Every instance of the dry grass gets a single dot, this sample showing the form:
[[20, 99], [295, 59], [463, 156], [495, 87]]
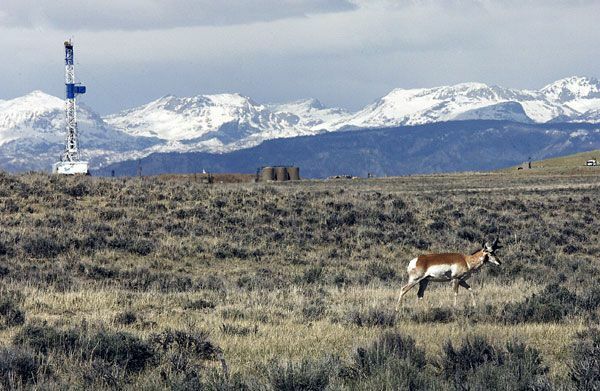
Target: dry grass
[[277, 272]]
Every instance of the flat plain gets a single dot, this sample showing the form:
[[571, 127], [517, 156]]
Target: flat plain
[[172, 283]]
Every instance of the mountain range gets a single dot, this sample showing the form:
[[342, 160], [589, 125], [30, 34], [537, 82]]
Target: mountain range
[[471, 145], [32, 135]]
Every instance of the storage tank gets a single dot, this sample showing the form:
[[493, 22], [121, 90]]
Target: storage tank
[[294, 173], [267, 174], [281, 174]]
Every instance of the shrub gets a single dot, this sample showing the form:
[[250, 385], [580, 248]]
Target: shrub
[[475, 351], [97, 272], [381, 270], [77, 190], [341, 280], [312, 275], [43, 338], [125, 318], [372, 317], [306, 375], [478, 364], [434, 315], [397, 374], [212, 283], [314, 309], [199, 304], [119, 348], [196, 343], [390, 345], [141, 247], [42, 246], [585, 368], [18, 365], [10, 312], [590, 300], [551, 305], [101, 372]]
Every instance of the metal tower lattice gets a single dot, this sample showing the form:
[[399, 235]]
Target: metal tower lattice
[[70, 162]]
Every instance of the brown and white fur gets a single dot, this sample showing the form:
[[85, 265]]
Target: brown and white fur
[[453, 267]]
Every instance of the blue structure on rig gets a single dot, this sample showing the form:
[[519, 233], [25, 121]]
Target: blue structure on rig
[[70, 160]]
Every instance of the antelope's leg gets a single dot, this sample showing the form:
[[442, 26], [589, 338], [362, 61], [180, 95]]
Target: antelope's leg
[[422, 286], [455, 289], [468, 287], [405, 289]]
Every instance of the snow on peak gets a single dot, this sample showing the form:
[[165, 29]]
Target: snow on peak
[[309, 113], [187, 118], [28, 110], [573, 88], [34, 102], [230, 121]]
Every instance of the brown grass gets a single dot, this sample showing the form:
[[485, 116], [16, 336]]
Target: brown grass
[[291, 263]]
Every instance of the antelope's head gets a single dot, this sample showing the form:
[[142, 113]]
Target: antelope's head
[[489, 252]]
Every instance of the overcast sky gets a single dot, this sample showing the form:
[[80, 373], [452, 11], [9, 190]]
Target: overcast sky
[[344, 52]]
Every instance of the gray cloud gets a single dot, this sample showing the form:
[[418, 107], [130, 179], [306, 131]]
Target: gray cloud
[[343, 58], [157, 14]]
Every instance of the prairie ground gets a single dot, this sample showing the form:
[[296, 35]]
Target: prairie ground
[[170, 283]]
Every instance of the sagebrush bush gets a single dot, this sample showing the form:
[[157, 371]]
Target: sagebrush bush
[[38, 245], [314, 309], [126, 318], [199, 304], [305, 375], [389, 346], [119, 348], [551, 305], [480, 365], [196, 343], [381, 270], [585, 368], [10, 312], [384, 317], [18, 367], [434, 315]]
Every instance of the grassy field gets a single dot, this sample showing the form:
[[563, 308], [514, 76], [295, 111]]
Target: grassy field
[[164, 283], [569, 163]]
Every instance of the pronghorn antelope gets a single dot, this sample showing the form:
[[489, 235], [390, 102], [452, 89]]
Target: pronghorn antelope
[[448, 267]]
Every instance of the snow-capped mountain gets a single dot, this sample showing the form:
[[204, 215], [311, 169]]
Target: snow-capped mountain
[[212, 122], [228, 122], [471, 101], [32, 134], [32, 126], [581, 94], [310, 113]]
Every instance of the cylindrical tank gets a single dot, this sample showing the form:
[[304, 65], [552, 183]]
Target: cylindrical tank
[[294, 173], [267, 174], [281, 174]]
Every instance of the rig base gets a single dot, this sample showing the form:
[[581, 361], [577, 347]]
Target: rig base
[[70, 168]]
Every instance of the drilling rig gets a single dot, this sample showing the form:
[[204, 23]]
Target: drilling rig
[[70, 161]]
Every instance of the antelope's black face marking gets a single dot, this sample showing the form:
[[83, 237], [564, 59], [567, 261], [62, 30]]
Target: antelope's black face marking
[[489, 251]]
